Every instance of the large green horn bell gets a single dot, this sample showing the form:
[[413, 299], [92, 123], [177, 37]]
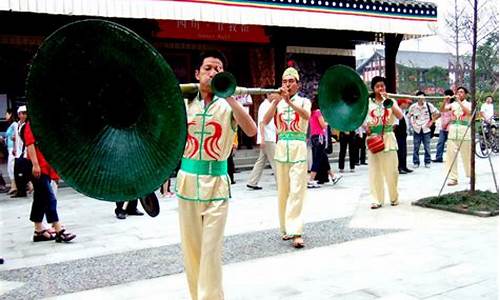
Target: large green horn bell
[[343, 98], [223, 84], [106, 110]]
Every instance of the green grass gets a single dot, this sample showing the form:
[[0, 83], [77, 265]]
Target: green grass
[[477, 201]]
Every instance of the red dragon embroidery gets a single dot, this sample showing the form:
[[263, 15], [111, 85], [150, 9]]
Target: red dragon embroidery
[[211, 144], [192, 144], [281, 124], [294, 125]]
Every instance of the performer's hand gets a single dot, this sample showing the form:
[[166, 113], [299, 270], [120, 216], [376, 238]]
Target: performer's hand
[[285, 94], [384, 95], [447, 99]]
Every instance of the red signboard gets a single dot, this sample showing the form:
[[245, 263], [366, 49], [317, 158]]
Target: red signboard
[[206, 31]]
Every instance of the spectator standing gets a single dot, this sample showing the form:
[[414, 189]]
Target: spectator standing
[[21, 164], [443, 132], [400, 131], [347, 139], [422, 114], [360, 142], [318, 141]]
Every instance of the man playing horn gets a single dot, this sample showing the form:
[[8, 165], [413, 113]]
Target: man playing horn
[[203, 186], [384, 164], [460, 117], [291, 113]]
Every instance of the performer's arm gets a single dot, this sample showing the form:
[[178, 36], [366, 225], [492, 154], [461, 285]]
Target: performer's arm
[[271, 111], [301, 111], [242, 117], [398, 113]]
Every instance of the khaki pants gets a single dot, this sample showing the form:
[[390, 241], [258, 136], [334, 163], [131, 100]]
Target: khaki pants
[[266, 154], [383, 166], [451, 149], [292, 187], [202, 236]]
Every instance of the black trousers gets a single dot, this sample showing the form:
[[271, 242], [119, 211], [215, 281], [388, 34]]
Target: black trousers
[[402, 152], [231, 167], [347, 139], [361, 148], [131, 206], [22, 174]]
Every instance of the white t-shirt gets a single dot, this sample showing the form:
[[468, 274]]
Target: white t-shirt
[[487, 110], [270, 128]]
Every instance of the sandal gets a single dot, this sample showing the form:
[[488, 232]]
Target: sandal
[[452, 182], [394, 203], [376, 206], [286, 237], [42, 236], [298, 242], [63, 236]]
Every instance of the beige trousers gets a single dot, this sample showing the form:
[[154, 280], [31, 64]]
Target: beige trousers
[[292, 187], [266, 154], [383, 167], [202, 237], [451, 149]]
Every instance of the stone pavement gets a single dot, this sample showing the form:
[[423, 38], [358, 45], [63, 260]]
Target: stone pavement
[[352, 252]]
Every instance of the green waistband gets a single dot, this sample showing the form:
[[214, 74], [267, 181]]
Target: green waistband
[[204, 167], [378, 129], [292, 135], [460, 122]]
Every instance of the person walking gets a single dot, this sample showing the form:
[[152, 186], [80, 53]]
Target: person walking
[[202, 184], [266, 139], [291, 114], [44, 198]]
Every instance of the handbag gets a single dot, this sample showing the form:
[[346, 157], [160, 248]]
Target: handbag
[[376, 143]]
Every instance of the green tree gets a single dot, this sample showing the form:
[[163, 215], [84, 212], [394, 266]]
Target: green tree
[[487, 64], [437, 77]]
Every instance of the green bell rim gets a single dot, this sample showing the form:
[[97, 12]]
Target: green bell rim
[[106, 110], [343, 98]]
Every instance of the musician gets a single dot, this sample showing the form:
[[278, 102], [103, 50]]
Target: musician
[[460, 118], [203, 186], [291, 114], [384, 164]]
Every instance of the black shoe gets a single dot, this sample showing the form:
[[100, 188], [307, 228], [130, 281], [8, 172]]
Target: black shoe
[[63, 236], [19, 195], [407, 170], [136, 212], [121, 215], [254, 187], [402, 172], [363, 163], [437, 160]]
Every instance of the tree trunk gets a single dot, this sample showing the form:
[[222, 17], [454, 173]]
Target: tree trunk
[[474, 102]]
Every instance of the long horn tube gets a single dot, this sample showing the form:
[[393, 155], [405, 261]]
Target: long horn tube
[[224, 85], [192, 88], [417, 97]]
